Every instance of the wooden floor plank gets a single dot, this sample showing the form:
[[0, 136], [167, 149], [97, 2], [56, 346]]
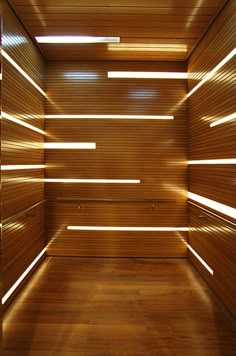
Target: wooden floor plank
[[117, 307]]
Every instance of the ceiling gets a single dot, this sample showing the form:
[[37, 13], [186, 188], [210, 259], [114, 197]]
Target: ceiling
[[149, 29]]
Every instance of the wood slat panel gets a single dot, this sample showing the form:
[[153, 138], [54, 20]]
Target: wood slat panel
[[161, 20], [212, 238], [23, 237], [151, 150]]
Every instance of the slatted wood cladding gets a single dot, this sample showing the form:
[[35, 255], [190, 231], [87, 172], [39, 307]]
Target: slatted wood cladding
[[22, 190], [176, 24], [211, 237], [153, 151], [0, 177]]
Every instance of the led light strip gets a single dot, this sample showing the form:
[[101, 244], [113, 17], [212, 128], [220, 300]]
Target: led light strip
[[212, 72], [22, 123], [0, 76], [224, 209], [223, 120], [19, 280], [76, 39], [141, 117], [147, 47], [60, 180], [214, 161], [11, 167], [201, 260], [22, 72], [70, 145], [125, 228], [148, 75]]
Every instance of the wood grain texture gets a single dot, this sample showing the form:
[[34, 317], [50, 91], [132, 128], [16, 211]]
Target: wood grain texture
[[162, 22], [118, 307], [23, 236], [212, 238], [153, 151]]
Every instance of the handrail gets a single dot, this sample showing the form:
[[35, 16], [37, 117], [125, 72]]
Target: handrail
[[22, 213], [211, 214]]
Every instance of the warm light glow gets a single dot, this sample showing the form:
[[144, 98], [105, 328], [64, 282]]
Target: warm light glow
[[22, 123], [214, 161], [22, 72], [19, 280], [201, 260], [148, 75], [125, 228], [224, 209], [70, 145], [212, 72], [135, 117], [223, 120], [12, 168], [76, 39], [0, 76], [147, 47], [60, 180]]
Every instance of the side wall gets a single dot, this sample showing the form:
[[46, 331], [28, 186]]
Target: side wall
[[22, 189], [153, 151], [212, 236]]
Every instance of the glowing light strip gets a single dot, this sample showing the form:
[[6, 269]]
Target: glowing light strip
[[22, 123], [0, 76], [125, 228], [147, 47], [19, 280], [224, 209], [201, 260], [212, 72], [148, 75], [70, 145], [21, 71], [11, 167], [214, 161], [76, 39], [139, 117], [59, 180], [223, 120]]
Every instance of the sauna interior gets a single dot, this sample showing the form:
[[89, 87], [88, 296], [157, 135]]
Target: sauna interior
[[118, 177]]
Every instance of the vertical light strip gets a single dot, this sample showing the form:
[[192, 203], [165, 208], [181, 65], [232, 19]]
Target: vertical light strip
[[22, 72], [222, 208], [22, 123], [214, 161], [19, 280], [19, 166], [201, 260], [223, 120], [212, 72]]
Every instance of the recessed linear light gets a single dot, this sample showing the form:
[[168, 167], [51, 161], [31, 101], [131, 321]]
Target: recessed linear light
[[134, 117], [125, 228], [60, 180], [222, 208], [223, 120], [214, 161], [212, 72], [76, 39], [81, 75], [19, 280], [147, 47], [0, 76], [148, 75], [200, 259], [16, 167], [22, 72], [22, 123], [70, 145]]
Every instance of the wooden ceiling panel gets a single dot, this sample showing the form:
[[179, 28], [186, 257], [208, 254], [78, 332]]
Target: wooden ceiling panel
[[161, 23]]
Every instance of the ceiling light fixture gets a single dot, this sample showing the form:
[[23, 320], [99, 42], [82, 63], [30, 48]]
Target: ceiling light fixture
[[134, 117], [125, 228], [76, 39], [147, 75], [62, 180], [214, 161], [70, 145], [19, 166]]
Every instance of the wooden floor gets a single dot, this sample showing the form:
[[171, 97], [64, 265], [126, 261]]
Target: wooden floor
[[118, 307]]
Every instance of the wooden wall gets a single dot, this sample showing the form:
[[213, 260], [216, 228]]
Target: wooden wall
[[212, 237], [22, 190], [151, 150]]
